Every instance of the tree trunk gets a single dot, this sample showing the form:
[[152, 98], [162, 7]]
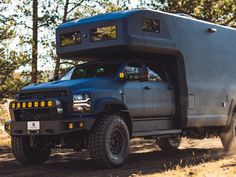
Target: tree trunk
[[58, 60], [35, 42]]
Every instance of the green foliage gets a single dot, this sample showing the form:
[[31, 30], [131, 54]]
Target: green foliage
[[216, 11], [10, 82], [10, 60]]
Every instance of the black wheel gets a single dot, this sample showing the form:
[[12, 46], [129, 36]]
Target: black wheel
[[169, 143], [109, 141], [27, 155], [228, 137]]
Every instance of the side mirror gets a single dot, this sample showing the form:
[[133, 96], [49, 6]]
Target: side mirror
[[128, 76], [143, 74], [55, 78]]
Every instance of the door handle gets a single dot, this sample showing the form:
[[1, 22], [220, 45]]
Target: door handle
[[146, 88]]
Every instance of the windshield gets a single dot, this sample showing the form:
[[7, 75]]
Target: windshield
[[92, 70]]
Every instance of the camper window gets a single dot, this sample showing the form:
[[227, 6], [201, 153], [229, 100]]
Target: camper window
[[150, 25], [103, 33], [69, 39]]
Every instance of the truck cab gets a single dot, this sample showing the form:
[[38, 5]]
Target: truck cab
[[140, 78]]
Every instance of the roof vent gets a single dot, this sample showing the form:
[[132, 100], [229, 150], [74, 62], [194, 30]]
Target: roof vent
[[184, 15], [212, 30]]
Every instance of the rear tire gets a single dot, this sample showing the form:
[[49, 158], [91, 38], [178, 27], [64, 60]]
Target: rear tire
[[109, 142], [27, 155], [169, 143], [228, 137]]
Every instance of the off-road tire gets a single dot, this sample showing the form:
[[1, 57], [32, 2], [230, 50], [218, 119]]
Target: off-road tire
[[169, 143], [27, 155], [109, 134], [228, 137]]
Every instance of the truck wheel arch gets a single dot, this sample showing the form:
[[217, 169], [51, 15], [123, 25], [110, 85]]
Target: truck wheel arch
[[111, 105]]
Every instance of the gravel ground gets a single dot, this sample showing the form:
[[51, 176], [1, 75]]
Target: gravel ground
[[194, 158]]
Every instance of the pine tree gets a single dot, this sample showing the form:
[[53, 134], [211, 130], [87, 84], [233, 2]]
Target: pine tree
[[10, 60], [217, 11]]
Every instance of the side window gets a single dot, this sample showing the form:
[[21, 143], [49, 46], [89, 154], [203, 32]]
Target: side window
[[68, 75], [79, 74], [155, 72], [132, 71], [101, 72], [153, 76]]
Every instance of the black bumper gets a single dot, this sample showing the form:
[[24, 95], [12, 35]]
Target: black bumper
[[52, 127]]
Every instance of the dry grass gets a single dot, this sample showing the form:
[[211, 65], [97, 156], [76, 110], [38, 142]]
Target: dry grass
[[225, 167], [208, 164], [4, 113], [5, 141], [196, 158]]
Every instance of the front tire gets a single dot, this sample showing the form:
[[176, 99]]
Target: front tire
[[109, 142], [169, 143], [27, 155], [228, 137]]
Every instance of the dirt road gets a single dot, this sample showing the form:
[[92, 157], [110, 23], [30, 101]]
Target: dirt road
[[145, 159]]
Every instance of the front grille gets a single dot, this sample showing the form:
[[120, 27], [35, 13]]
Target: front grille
[[43, 114], [58, 94], [36, 114]]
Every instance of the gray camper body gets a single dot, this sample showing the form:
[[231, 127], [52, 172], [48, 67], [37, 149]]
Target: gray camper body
[[205, 56]]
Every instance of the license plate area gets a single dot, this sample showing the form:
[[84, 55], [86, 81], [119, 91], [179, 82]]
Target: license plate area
[[33, 125]]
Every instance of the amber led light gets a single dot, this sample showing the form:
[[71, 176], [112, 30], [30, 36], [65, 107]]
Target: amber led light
[[18, 105], [81, 124], [42, 104], [122, 75], [70, 126], [36, 104], [24, 105], [29, 104], [13, 105], [49, 103]]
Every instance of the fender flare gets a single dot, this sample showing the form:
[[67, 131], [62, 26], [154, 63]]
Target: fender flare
[[101, 103]]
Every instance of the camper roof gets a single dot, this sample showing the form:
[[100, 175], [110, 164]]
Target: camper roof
[[131, 31], [98, 18]]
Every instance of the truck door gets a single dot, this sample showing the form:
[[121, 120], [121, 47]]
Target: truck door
[[163, 102], [148, 98], [133, 90]]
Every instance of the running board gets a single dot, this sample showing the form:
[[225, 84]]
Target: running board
[[157, 132]]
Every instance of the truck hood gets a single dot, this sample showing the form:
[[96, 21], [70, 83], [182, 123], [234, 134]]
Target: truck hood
[[72, 84]]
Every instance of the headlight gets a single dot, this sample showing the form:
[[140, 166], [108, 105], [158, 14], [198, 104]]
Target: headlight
[[82, 103]]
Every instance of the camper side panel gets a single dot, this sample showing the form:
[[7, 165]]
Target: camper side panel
[[210, 63]]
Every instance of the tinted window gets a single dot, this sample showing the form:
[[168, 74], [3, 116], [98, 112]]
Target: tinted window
[[155, 72], [69, 39], [103, 33], [153, 76], [67, 76], [132, 71], [91, 70], [151, 25]]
